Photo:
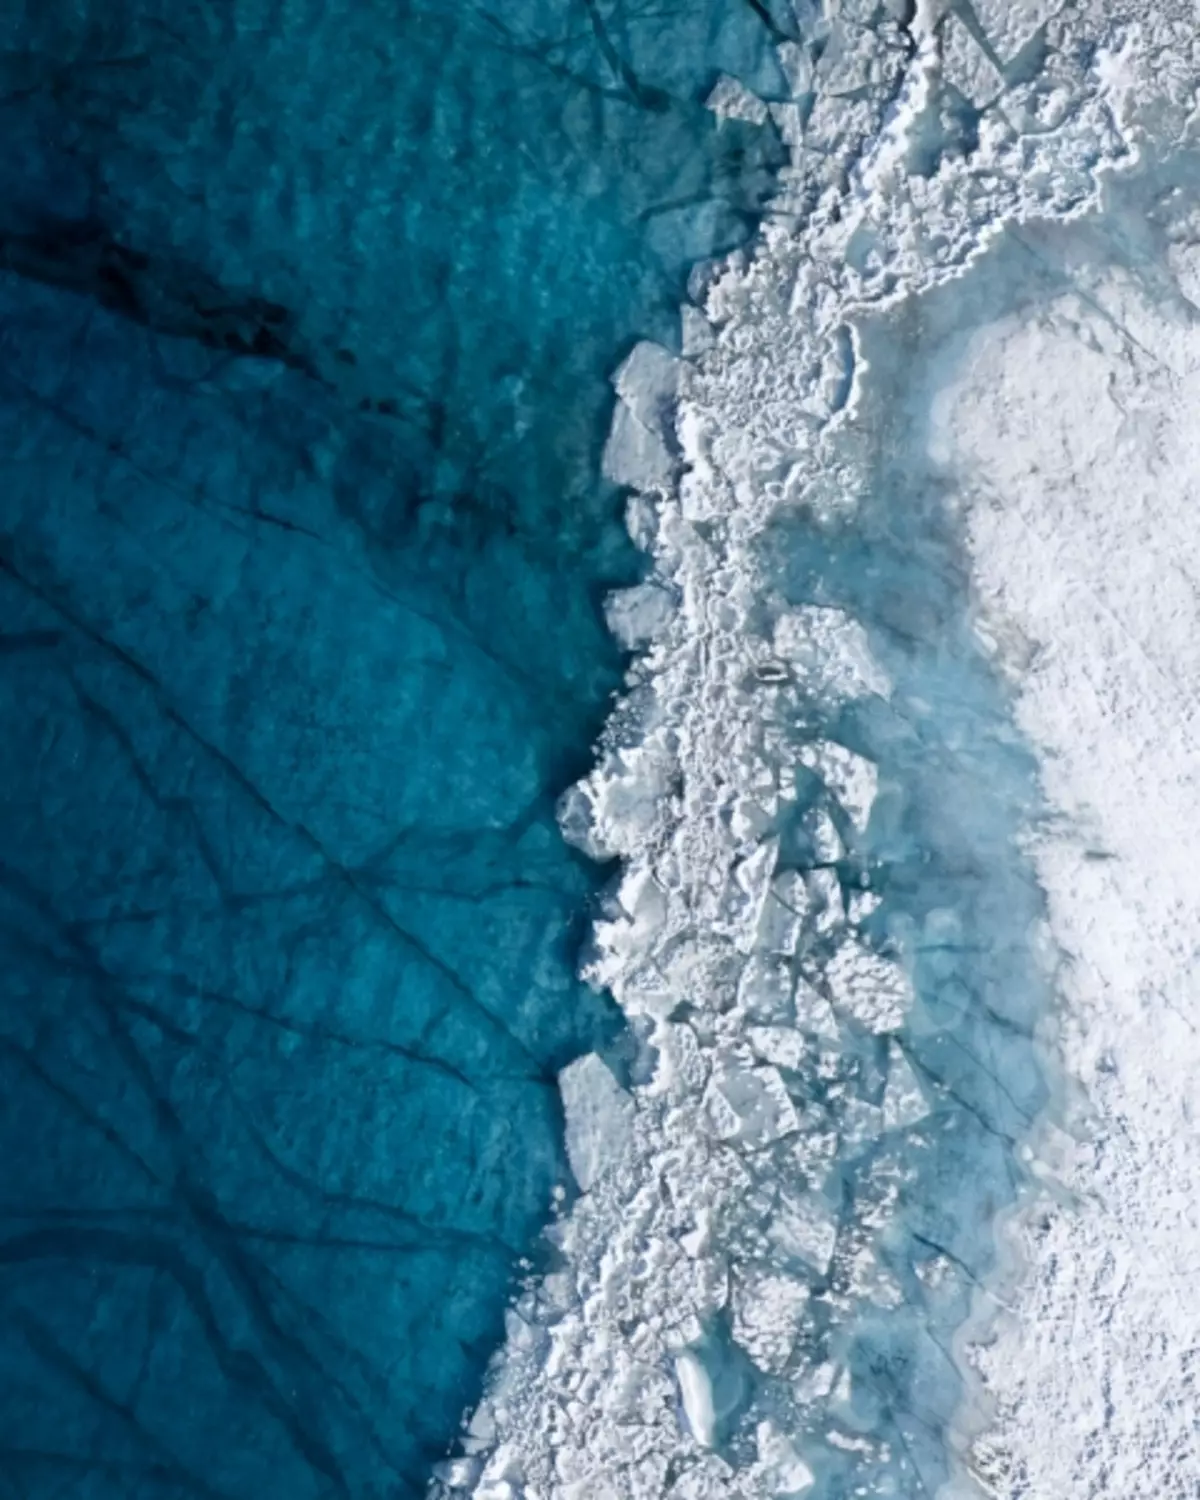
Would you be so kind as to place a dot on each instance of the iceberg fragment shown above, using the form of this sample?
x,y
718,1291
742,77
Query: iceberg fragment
x,y
696,1394
748,1105
599,1116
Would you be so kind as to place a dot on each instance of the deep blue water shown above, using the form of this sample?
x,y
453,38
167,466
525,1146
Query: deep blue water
x,y
306,313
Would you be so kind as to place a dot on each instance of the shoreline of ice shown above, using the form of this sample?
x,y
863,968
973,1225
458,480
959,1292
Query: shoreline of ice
x,y
754,934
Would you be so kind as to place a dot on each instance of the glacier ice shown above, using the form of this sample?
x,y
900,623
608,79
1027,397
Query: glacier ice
x,y
837,989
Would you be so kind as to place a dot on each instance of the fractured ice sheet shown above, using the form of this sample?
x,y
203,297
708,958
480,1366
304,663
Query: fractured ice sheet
x,y
1081,510
831,1103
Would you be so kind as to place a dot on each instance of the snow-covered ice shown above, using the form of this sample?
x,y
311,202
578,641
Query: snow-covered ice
x,y
1069,430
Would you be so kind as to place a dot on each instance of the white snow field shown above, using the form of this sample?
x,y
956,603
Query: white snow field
x,y
895,1190
1071,432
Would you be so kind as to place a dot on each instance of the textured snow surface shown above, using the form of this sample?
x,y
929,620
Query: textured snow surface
x,y
1071,430
890,556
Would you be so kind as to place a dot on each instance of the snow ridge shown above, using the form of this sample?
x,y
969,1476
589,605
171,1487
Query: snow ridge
x,y
732,1261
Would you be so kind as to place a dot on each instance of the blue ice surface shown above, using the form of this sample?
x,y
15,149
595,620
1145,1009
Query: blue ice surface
x,y
304,340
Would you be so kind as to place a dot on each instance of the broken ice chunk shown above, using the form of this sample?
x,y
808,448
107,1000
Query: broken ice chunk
x,y
503,1477
696,1396
812,1011
745,895
647,381
782,1471
594,1487
696,333
872,990
815,1383
765,989
813,1154
788,118
615,810
458,1473
796,63
780,1045
768,1312
825,892
599,1118
499,1489
904,1101
731,100
1010,24
643,906
637,615
863,904
803,1227
859,1125
851,778
701,970
826,844
635,455
831,650
966,66
638,450
707,1480
782,915
680,1063
749,1105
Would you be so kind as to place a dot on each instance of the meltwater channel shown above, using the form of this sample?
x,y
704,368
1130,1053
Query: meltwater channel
x,y
307,312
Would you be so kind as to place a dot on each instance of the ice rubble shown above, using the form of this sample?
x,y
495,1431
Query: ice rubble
x,y
758,1297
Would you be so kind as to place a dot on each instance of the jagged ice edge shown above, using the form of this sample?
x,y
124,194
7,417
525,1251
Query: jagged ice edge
x,y
688,780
